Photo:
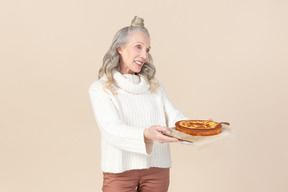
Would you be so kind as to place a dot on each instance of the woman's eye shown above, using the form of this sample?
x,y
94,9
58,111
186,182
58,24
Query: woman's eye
x,y
147,50
138,46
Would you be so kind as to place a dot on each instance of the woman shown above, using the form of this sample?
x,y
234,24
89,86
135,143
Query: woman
x,y
132,112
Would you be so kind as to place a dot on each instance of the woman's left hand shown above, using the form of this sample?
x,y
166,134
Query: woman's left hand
x,y
155,133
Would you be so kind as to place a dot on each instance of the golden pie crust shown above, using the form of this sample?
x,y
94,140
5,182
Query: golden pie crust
x,y
198,127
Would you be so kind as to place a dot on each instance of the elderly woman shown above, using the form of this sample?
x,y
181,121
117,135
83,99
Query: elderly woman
x,y
133,111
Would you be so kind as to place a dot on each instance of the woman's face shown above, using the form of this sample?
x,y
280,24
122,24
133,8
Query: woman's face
x,y
134,53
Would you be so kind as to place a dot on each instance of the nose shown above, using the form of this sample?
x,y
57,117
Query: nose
x,y
144,55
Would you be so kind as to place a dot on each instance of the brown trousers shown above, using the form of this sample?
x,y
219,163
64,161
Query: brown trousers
x,y
140,180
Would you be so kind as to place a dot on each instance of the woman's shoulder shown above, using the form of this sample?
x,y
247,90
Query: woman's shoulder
x,y
97,86
161,89
159,84
97,83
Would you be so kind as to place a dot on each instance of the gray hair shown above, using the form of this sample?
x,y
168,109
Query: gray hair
x,y
111,59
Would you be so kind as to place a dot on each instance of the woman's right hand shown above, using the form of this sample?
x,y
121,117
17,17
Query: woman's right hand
x,y
155,133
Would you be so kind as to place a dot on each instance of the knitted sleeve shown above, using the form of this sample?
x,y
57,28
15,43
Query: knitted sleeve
x,y
112,128
171,112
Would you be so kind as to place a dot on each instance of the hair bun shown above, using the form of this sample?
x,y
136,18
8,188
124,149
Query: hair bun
x,y
137,22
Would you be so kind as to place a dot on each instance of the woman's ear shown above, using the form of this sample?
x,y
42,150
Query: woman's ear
x,y
119,50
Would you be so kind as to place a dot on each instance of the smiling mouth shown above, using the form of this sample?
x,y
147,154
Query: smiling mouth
x,y
138,63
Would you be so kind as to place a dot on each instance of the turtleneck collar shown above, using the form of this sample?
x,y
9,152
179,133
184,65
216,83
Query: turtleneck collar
x,y
130,82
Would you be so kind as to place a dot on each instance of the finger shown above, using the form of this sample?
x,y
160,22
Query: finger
x,y
170,139
163,130
164,139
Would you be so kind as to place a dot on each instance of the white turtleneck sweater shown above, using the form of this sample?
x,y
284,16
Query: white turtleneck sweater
x,y
122,119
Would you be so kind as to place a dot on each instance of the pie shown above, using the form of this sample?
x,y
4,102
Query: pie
x,y
198,127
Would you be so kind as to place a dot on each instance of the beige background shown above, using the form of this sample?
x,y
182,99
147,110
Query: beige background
x,y
225,60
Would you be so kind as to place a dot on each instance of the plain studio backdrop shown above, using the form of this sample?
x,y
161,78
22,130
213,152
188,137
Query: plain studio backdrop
x,y
225,60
